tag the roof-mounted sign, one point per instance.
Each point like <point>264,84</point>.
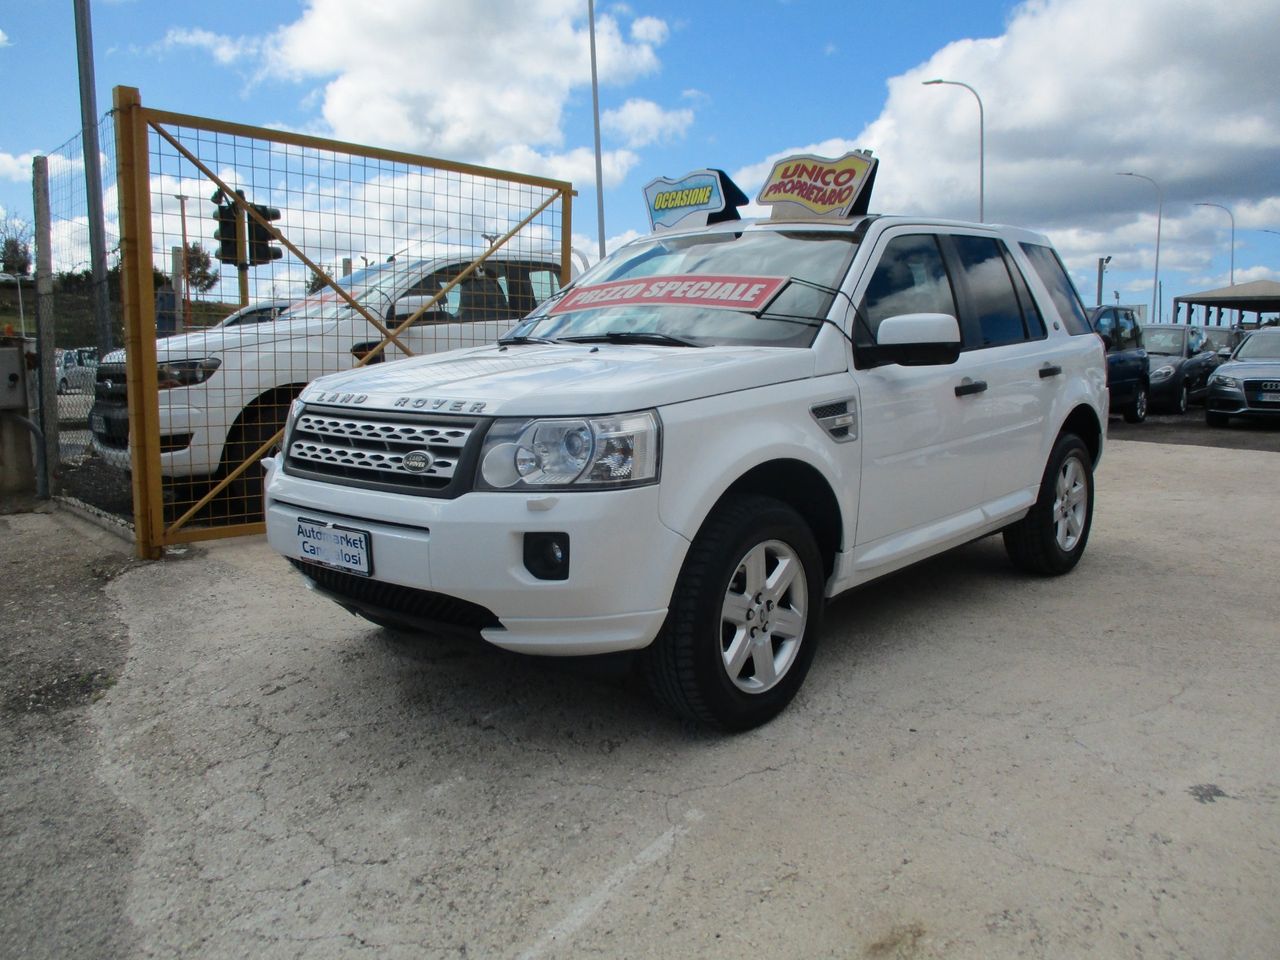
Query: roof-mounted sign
<point>805,185</point>
<point>696,199</point>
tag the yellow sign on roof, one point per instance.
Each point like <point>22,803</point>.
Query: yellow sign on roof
<point>805,184</point>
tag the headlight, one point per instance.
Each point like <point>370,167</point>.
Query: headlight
<point>563,453</point>
<point>1162,373</point>
<point>1218,380</point>
<point>186,373</point>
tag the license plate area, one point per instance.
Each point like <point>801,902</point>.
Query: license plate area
<point>333,545</point>
<point>1269,397</point>
<point>97,423</point>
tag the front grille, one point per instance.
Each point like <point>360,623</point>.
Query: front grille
<point>404,453</point>
<point>110,387</point>
<point>1253,390</point>
<point>376,597</point>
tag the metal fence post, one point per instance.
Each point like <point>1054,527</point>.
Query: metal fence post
<point>138,299</point>
<point>45,344</point>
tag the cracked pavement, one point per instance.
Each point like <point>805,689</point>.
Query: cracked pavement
<point>980,765</point>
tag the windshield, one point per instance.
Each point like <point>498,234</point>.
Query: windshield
<point>720,267</point>
<point>1260,346</point>
<point>1164,340</point>
<point>373,286</point>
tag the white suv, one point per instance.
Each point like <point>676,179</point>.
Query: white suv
<point>693,447</point>
<point>226,390</point>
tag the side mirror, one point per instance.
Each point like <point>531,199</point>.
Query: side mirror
<point>915,340</point>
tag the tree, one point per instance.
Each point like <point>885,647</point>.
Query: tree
<point>15,246</point>
<point>201,276</point>
<point>318,283</point>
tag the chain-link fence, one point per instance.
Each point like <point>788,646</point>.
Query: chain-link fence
<point>76,335</point>
<point>256,260</point>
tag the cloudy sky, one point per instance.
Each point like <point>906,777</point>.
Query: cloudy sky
<point>1182,91</point>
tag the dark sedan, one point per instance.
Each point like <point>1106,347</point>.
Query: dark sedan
<point>1180,357</point>
<point>1247,385</point>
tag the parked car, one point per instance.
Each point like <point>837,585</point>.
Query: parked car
<point>76,369</point>
<point>1248,384</point>
<point>1180,358</point>
<point>226,390</point>
<point>263,311</point>
<point>1128,380</point>
<point>716,429</point>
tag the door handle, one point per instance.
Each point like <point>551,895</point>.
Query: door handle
<point>1051,370</point>
<point>970,386</point>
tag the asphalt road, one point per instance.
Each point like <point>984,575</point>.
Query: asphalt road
<point>980,765</point>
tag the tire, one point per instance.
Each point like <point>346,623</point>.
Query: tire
<point>1183,400</point>
<point>63,386</point>
<point>1051,538</point>
<point>1136,412</point>
<point>241,500</point>
<point>1215,419</point>
<point>705,665</point>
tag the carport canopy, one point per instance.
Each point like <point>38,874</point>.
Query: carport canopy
<point>1258,297</point>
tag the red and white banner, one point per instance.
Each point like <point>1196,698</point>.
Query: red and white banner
<point>717,292</point>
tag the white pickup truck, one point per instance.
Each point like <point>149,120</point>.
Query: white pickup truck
<point>714,430</point>
<point>226,390</point>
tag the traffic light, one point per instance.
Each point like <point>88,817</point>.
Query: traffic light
<point>227,236</point>
<point>261,249</point>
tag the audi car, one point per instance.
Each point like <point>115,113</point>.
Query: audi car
<point>1248,384</point>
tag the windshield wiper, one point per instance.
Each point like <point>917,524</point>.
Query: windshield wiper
<point>633,336</point>
<point>503,341</point>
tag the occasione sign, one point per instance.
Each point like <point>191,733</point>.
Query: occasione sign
<point>718,292</point>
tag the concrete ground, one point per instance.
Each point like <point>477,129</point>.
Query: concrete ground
<point>980,765</point>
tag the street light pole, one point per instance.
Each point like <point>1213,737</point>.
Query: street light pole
<point>1155,283</point>
<point>595,108</point>
<point>1102,268</point>
<point>982,144</point>
<point>1233,236</point>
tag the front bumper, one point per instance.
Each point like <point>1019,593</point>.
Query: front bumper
<point>623,560</point>
<point>1164,393</point>
<point>188,447</point>
<point>1239,402</point>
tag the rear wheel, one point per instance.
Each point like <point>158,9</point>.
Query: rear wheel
<point>744,618</point>
<point>1136,412</point>
<point>1051,538</point>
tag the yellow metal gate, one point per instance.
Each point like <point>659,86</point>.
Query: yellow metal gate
<point>363,254</point>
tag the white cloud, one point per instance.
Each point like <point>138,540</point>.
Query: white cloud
<point>462,85</point>
<point>642,122</point>
<point>16,167</point>
<point>225,50</point>
<point>4,40</point>
<point>1074,91</point>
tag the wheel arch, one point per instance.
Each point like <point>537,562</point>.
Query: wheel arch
<point>1083,422</point>
<point>803,488</point>
<point>276,399</point>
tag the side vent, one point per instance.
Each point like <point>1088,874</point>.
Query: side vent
<point>839,418</point>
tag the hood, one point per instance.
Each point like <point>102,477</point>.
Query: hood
<point>1157,360</point>
<point>219,340</point>
<point>560,379</point>
<point>1251,369</point>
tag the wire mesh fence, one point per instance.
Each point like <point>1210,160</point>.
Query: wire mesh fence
<point>76,335</point>
<point>273,258</point>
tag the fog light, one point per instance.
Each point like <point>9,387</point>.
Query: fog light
<point>546,555</point>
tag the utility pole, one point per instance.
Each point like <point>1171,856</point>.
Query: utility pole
<point>93,177</point>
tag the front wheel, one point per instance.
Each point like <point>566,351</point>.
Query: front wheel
<point>1136,412</point>
<point>1051,538</point>
<point>744,619</point>
<point>1184,398</point>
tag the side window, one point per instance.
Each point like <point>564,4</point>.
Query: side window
<point>910,278</point>
<point>1127,331</point>
<point>528,284</point>
<point>999,314</point>
<point>1105,324</point>
<point>1045,262</point>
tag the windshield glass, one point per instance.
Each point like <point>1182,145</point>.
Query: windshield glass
<point>372,286</point>
<point>744,266</point>
<point>1164,340</point>
<point>1260,346</point>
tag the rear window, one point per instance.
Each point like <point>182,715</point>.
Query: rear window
<point>1061,290</point>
